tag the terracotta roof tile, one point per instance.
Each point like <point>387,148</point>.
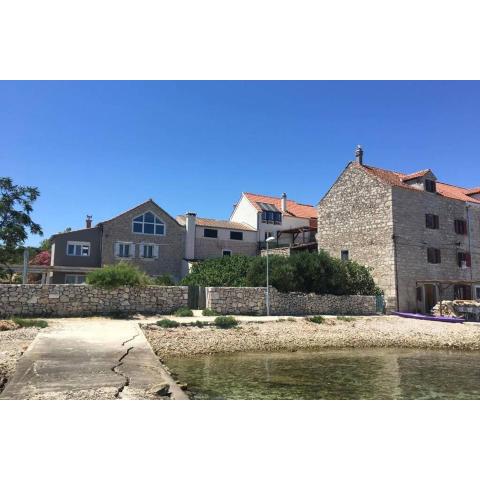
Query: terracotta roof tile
<point>294,209</point>
<point>210,222</point>
<point>396,179</point>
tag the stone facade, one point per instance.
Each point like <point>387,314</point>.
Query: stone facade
<point>356,216</point>
<point>382,224</point>
<point>77,300</point>
<point>252,300</point>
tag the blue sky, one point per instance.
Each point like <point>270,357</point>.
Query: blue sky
<point>101,147</point>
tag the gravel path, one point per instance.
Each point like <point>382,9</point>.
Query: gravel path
<point>12,345</point>
<point>385,331</point>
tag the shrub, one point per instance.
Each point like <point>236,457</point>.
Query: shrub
<point>208,312</point>
<point>220,272</point>
<point>225,322</point>
<point>199,324</point>
<point>118,275</point>
<point>166,323</point>
<point>316,319</point>
<point>183,312</point>
<point>27,323</point>
<point>163,280</point>
<point>346,319</point>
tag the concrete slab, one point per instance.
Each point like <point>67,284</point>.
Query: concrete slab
<point>90,359</point>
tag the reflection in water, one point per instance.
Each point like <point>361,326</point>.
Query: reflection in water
<point>333,374</point>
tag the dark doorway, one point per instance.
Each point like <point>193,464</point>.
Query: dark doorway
<point>196,297</point>
<point>430,297</point>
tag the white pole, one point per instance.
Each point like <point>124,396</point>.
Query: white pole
<point>268,296</point>
<point>25,266</point>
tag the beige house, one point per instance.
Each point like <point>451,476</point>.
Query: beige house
<point>420,236</point>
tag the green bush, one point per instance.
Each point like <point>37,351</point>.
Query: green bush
<point>163,280</point>
<point>166,323</point>
<point>219,272</point>
<point>183,312</point>
<point>316,319</point>
<point>225,322</point>
<point>27,323</point>
<point>199,324</point>
<point>208,312</point>
<point>118,275</point>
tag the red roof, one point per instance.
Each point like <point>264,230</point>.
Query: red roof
<point>397,179</point>
<point>294,209</point>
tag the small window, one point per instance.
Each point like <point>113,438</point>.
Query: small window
<point>462,292</point>
<point>210,233</point>
<point>74,279</point>
<point>124,250</point>
<point>272,217</point>
<point>344,255</point>
<point>227,253</point>
<point>477,292</point>
<point>78,249</point>
<point>433,255</point>
<point>236,235</point>
<point>432,221</point>
<point>147,251</point>
<point>430,186</point>
<point>461,227</point>
<point>464,260</point>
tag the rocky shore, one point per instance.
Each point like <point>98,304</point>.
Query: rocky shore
<point>12,345</point>
<point>300,334</point>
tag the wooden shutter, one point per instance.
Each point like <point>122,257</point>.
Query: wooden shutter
<point>117,249</point>
<point>155,251</point>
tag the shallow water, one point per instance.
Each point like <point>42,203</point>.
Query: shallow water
<point>333,374</point>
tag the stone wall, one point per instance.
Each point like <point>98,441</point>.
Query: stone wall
<point>71,300</point>
<point>251,300</point>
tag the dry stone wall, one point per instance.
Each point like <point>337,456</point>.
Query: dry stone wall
<point>71,300</point>
<point>252,300</point>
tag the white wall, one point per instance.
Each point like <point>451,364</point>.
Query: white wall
<point>245,212</point>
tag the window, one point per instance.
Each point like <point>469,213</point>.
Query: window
<point>148,251</point>
<point>148,224</point>
<point>432,221</point>
<point>344,255</point>
<point>78,249</point>
<point>272,217</point>
<point>462,292</point>
<point>74,279</point>
<point>464,260</point>
<point>268,235</point>
<point>433,255</point>
<point>430,186</point>
<point>461,227</point>
<point>477,292</point>
<point>210,233</point>
<point>124,250</point>
<point>236,235</point>
<point>227,253</point>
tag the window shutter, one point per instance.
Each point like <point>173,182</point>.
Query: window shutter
<point>117,249</point>
<point>155,251</point>
<point>131,253</point>
<point>468,258</point>
<point>142,250</point>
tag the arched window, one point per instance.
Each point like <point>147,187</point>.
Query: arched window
<point>149,224</point>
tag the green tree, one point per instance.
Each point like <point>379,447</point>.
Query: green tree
<point>15,220</point>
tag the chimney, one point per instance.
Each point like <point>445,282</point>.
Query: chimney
<point>88,221</point>
<point>284,202</point>
<point>190,224</point>
<point>359,154</point>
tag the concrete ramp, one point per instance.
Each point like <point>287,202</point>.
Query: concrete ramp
<point>91,359</point>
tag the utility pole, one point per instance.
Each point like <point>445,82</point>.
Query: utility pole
<point>25,266</point>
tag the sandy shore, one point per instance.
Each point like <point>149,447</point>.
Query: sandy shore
<point>12,345</point>
<point>385,331</point>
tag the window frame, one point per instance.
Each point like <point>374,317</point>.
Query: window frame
<point>75,276</point>
<point>435,221</point>
<point>430,185</point>
<point>224,250</point>
<point>75,244</point>
<point>237,233</point>
<point>434,255</point>
<point>156,221</point>
<point>210,230</point>
<point>147,246</point>
<point>345,255</point>
<point>131,249</point>
<point>460,226</point>
<point>464,257</point>
<point>276,217</point>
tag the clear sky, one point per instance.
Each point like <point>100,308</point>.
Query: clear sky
<point>102,147</point>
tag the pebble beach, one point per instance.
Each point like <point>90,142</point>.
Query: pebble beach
<point>301,334</point>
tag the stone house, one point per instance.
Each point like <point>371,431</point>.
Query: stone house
<point>420,236</point>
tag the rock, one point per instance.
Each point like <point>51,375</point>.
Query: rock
<point>160,389</point>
